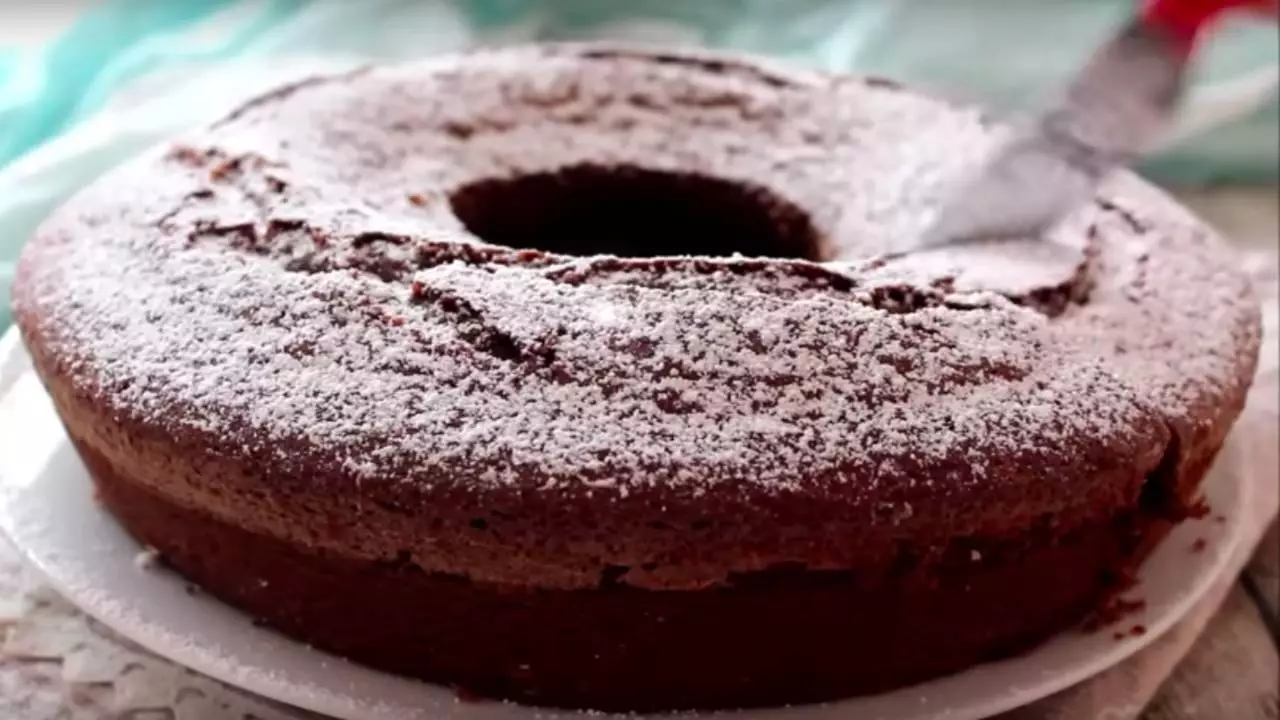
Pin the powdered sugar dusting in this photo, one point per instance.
(293, 282)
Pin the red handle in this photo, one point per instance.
(1186, 18)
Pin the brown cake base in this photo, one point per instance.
(611, 378)
(771, 638)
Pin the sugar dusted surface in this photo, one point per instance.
(291, 285)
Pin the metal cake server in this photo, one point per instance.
(1113, 111)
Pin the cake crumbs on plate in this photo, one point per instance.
(1112, 612)
(148, 558)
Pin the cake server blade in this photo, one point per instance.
(1115, 109)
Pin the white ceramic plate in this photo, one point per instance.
(47, 510)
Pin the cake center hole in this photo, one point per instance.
(633, 212)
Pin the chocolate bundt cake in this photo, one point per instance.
(598, 377)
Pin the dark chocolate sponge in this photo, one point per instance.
(606, 378)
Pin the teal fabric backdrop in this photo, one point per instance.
(131, 72)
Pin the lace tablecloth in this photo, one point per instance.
(57, 664)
